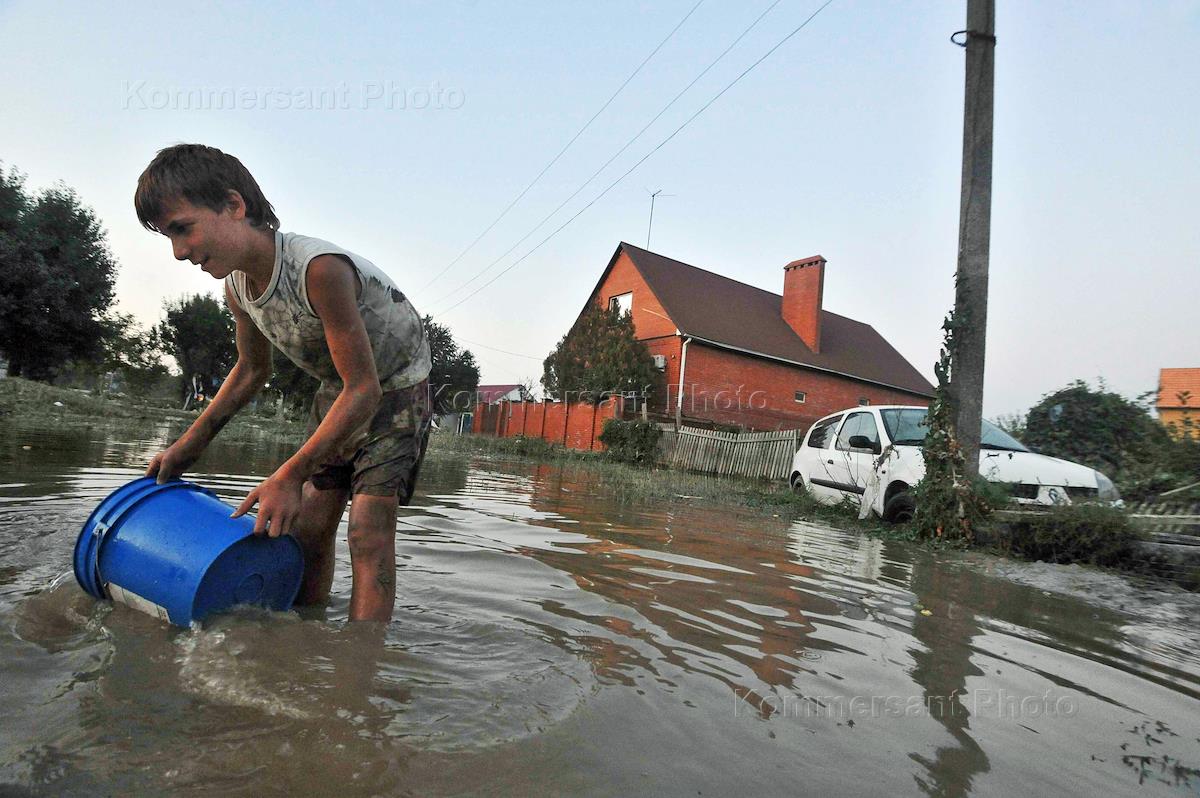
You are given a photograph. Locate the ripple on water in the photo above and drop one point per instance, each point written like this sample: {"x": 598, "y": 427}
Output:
{"x": 711, "y": 650}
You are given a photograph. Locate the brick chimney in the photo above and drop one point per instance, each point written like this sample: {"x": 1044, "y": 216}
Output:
{"x": 803, "y": 283}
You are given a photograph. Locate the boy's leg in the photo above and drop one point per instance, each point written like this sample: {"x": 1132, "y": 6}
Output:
{"x": 372, "y": 541}
{"x": 316, "y": 531}
{"x": 385, "y": 475}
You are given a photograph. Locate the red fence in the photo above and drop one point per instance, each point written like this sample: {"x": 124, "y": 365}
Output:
{"x": 576, "y": 426}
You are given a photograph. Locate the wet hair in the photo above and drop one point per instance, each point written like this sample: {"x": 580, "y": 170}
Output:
{"x": 203, "y": 176}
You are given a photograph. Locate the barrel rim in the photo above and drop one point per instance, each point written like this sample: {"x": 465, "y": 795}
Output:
{"x": 294, "y": 592}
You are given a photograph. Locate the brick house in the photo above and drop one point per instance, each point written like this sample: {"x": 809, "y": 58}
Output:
{"x": 736, "y": 354}
{"x": 1178, "y": 403}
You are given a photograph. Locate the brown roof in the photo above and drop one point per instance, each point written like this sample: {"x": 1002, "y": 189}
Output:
{"x": 723, "y": 311}
{"x": 1179, "y": 388}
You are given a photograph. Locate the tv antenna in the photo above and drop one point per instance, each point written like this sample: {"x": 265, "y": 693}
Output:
{"x": 653, "y": 196}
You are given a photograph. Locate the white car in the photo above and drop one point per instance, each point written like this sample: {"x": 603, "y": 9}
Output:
{"x": 872, "y": 455}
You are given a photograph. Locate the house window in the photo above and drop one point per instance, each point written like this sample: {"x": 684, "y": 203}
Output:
{"x": 863, "y": 401}
{"x": 801, "y": 396}
{"x": 621, "y": 303}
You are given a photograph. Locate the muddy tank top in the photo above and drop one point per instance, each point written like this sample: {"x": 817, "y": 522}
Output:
{"x": 285, "y": 316}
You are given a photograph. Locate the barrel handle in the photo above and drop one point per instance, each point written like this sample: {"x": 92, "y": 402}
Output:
{"x": 101, "y": 528}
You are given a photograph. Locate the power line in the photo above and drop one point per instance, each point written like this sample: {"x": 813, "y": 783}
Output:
{"x": 494, "y": 349}
{"x": 643, "y": 159}
{"x": 567, "y": 146}
{"x": 614, "y": 157}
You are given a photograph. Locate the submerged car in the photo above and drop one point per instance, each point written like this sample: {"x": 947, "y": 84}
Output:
{"x": 872, "y": 455}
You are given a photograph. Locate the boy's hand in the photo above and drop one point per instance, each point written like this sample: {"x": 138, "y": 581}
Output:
{"x": 278, "y": 499}
{"x": 172, "y": 461}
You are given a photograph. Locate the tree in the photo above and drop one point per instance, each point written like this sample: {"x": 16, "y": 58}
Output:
{"x": 56, "y": 279}
{"x": 454, "y": 377}
{"x": 599, "y": 357}
{"x": 1115, "y": 435}
{"x": 295, "y": 385}
{"x": 1098, "y": 428}
{"x": 198, "y": 332}
{"x": 132, "y": 352}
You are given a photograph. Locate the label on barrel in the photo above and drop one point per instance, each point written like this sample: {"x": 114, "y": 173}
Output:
{"x": 131, "y": 599}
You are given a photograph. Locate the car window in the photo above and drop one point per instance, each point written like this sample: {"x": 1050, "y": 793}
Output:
{"x": 995, "y": 438}
{"x": 906, "y": 426}
{"x": 818, "y": 437}
{"x": 858, "y": 424}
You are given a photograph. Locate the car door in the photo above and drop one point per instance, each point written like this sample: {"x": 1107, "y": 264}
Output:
{"x": 853, "y": 455}
{"x": 814, "y": 452}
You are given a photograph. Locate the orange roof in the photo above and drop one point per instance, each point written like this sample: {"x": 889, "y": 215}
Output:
{"x": 1179, "y": 388}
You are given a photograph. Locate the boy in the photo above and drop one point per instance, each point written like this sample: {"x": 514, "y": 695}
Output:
{"x": 338, "y": 317}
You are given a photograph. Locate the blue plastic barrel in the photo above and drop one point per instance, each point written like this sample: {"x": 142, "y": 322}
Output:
{"x": 172, "y": 551}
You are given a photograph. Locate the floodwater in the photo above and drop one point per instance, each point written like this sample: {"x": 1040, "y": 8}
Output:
{"x": 551, "y": 640}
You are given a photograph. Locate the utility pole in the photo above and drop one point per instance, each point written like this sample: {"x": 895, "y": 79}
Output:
{"x": 974, "y": 229}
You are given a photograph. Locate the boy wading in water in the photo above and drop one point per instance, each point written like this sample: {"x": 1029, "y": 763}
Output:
{"x": 338, "y": 317}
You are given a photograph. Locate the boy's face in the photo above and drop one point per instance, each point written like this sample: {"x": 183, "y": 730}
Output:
{"x": 213, "y": 240}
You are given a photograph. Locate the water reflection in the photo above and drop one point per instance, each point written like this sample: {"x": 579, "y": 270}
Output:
{"x": 942, "y": 668}
{"x": 552, "y": 637}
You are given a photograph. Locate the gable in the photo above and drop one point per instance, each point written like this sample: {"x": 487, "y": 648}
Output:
{"x": 621, "y": 276}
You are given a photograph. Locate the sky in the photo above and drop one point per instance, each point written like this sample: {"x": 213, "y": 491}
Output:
{"x": 846, "y": 141}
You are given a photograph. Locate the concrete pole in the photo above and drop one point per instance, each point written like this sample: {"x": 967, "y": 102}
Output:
{"x": 974, "y": 229}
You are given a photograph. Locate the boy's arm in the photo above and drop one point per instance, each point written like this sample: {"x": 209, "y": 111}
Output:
{"x": 246, "y": 378}
{"x": 333, "y": 289}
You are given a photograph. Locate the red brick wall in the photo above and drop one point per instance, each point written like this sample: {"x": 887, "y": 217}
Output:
{"x": 555, "y": 428}
{"x": 577, "y": 426}
{"x": 730, "y": 388}
{"x": 650, "y": 321}
{"x": 650, "y": 318}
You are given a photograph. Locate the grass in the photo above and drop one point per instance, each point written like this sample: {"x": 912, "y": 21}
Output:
{"x": 29, "y": 403}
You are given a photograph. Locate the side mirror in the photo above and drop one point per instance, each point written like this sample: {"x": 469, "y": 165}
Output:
{"x": 864, "y": 443}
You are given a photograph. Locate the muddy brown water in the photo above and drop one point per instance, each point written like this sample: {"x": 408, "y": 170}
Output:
{"x": 551, "y": 640}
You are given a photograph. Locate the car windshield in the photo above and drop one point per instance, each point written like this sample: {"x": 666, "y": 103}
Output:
{"x": 907, "y": 427}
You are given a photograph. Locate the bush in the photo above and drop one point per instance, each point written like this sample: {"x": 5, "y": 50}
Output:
{"x": 631, "y": 441}
{"x": 1093, "y": 534}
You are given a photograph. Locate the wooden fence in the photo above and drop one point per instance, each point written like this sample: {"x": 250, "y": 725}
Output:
{"x": 766, "y": 455}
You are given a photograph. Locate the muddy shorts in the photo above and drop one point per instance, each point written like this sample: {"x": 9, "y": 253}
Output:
{"x": 384, "y": 456}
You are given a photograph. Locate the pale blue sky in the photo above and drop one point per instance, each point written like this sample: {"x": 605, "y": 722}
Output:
{"x": 846, "y": 142}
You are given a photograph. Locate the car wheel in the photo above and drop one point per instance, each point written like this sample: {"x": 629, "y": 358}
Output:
{"x": 797, "y": 483}
{"x": 900, "y": 508}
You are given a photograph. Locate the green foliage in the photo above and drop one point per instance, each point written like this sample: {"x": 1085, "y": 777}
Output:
{"x": 1013, "y": 424}
{"x": 56, "y": 279}
{"x": 1115, "y": 435}
{"x": 133, "y": 353}
{"x": 454, "y": 378}
{"x": 296, "y": 386}
{"x": 198, "y": 332}
{"x": 1098, "y": 428}
{"x": 631, "y": 441}
{"x": 949, "y": 503}
{"x": 598, "y": 358}
{"x": 1092, "y": 534}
